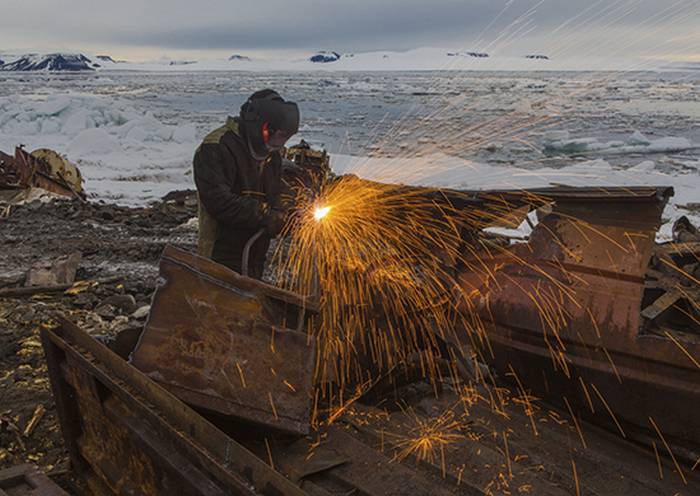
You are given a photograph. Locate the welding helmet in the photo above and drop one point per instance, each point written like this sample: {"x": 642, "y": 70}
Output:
{"x": 268, "y": 122}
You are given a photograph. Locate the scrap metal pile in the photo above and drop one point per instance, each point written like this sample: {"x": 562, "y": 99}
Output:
{"x": 229, "y": 390}
{"x": 42, "y": 169}
{"x": 405, "y": 343}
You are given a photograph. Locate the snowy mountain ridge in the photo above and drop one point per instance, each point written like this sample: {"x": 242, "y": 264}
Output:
{"x": 51, "y": 62}
{"x": 419, "y": 59}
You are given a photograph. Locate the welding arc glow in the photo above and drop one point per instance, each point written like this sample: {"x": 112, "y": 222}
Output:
{"x": 321, "y": 212}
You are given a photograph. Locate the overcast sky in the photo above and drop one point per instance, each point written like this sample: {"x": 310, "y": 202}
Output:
{"x": 142, "y": 29}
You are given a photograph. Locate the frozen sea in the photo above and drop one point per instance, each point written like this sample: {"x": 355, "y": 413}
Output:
{"x": 133, "y": 134}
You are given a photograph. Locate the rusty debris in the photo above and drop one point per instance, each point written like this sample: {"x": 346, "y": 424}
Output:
{"x": 44, "y": 169}
{"x": 315, "y": 163}
{"x": 589, "y": 323}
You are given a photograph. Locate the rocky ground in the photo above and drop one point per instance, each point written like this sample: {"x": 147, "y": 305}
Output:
{"x": 118, "y": 245}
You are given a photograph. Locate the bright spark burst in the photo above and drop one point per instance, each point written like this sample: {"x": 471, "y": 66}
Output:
{"x": 379, "y": 264}
{"x": 427, "y": 439}
{"x": 321, "y": 212}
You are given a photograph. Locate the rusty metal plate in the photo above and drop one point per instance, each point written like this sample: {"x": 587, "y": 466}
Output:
{"x": 27, "y": 480}
{"x": 563, "y": 312}
{"x": 211, "y": 339}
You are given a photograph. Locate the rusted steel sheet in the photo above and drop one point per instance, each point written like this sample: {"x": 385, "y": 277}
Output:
{"x": 563, "y": 313}
{"x": 26, "y": 480}
{"x": 26, "y": 170}
{"x": 126, "y": 435}
{"x": 224, "y": 342}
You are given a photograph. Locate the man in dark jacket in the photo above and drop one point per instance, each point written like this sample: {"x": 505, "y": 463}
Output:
{"x": 238, "y": 174}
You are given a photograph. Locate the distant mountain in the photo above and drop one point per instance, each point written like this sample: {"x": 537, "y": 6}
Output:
{"x": 476, "y": 55}
{"x": 182, "y": 62}
{"x": 105, "y": 58}
{"x": 239, "y": 58}
{"x": 51, "y": 62}
{"x": 325, "y": 57}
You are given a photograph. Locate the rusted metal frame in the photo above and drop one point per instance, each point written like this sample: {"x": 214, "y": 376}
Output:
{"x": 77, "y": 370}
{"x": 66, "y": 401}
{"x": 599, "y": 194}
{"x": 188, "y": 473}
{"x": 218, "y": 404}
{"x": 14, "y": 478}
{"x": 619, "y": 339}
{"x": 230, "y": 454}
{"x": 212, "y": 447}
{"x": 202, "y": 457}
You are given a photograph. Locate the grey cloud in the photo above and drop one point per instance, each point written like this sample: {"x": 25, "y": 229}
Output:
{"x": 342, "y": 25}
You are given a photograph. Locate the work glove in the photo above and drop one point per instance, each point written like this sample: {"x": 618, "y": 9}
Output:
{"x": 274, "y": 222}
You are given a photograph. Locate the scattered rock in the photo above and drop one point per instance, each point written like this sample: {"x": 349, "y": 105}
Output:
{"x": 54, "y": 272}
{"x": 119, "y": 324}
{"x": 191, "y": 225}
{"x": 106, "y": 311}
{"x": 126, "y": 303}
{"x": 142, "y": 312}
{"x": 12, "y": 278}
{"x": 684, "y": 231}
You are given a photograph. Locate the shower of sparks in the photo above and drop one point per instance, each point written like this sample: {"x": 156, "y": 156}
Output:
{"x": 401, "y": 273}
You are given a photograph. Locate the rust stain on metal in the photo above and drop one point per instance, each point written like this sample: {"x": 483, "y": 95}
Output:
{"x": 208, "y": 340}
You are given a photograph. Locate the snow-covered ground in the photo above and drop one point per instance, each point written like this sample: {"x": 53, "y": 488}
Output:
{"x": 134, "y": 134}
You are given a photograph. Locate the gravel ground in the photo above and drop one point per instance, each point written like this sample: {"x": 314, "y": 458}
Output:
{"x": 114, "y": 241}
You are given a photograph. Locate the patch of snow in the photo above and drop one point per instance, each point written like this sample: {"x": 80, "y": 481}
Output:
{"x": 93, "y": 142}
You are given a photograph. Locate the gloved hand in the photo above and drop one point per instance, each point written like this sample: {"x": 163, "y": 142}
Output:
{"x": 274, "y": 222}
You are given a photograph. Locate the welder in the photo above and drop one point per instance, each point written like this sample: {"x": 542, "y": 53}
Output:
{"x": 238, "y": 174}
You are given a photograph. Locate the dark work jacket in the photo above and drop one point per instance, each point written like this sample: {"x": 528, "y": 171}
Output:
{"x": 235, "y": 193}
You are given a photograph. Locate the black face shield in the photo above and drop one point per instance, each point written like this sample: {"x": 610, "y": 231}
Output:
{"x": 268, "y": 122}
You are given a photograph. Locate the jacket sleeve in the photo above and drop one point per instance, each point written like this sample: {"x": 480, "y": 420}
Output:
{"x": 227, "y": 207}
